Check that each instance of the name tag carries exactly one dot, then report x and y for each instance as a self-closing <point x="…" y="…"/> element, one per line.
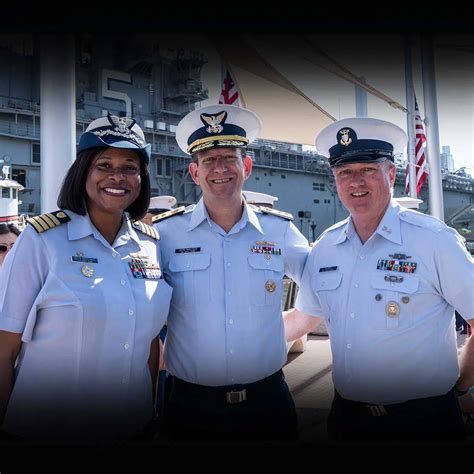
<point x="188" y="250"/>
<point x="328" y="269"/>
<point x="76" y="258"/>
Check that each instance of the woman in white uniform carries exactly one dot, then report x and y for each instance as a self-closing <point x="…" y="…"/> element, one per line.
<point x="82" y="300"/>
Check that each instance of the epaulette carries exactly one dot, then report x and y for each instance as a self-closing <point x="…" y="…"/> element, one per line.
<point x="276" y="212"/>
<point x="146" y="229"/>
<point x="422" y="220"/>
<point x="45" y="222"/>
<point x="165" y="215"/>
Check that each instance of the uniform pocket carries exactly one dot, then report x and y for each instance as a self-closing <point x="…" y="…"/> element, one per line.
<point x="392" y="296"/>
<point x="266" y="276"/>
<point x="191" y="277"/>
<point x="325" y="285"/>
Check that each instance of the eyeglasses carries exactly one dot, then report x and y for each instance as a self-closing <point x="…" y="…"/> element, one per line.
<point x="5" y="247"/>
<point x="127" y="170"/>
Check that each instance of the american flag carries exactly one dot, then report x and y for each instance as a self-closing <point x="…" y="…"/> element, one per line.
<point x="229" y="93"/>
<point x="421" y="166"/>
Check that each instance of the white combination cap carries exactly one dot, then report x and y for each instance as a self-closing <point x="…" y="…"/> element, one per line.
<point x="360" y="140"/>
<point x="217" y="126"/>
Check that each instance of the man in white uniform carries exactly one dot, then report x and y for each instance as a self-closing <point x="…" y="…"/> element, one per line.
<point x="225" y="260"/>
<point x="387" y="280"/>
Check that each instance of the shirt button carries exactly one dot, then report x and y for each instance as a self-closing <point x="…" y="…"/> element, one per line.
<point x="114" y="254"/>
<point x="231" y="321"/>
<point x="361" y="257"/>
<point x="356" y="285"/>
<point x="124" y="380"/>
<point x="352" y="315"/>
<point x="126" y="346"/>
<point x="130" y="312"/>
<point x="229" y="293"/>
<point x="228" y="264"/>
<point x="122" y="282"/>
<point x="231" y="351"/>
<point x="349" y="346"/>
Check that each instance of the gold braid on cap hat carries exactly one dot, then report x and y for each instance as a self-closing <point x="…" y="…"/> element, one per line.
<point x="224" y="140"/>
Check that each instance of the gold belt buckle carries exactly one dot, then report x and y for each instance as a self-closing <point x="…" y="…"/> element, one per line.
<point x="236" y="396"/>
<point x="377" y="410"/>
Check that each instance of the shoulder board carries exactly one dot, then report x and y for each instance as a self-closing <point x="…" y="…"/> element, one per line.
<point x="146" y="229"/>
<point x="422" y="220"/>
<point x="44" y="222"/>
<point x="164" y="215"/>
<point x="276" y="212"/>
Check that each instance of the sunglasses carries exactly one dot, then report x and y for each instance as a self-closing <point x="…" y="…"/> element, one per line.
<point x="5" y="247"/>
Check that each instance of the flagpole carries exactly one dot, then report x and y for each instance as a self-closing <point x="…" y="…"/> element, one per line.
<point x="223" y="69"/>
<point x="410" y="102"/>
<point x="432" y="127"/>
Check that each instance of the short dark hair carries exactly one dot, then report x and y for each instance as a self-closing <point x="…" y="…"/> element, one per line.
<point x="7" y="227"/>
<point x="73" y="190"/>
<point x="243" y="152"/>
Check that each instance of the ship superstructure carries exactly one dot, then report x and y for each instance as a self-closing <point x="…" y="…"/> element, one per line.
<point x="157" y="84"/>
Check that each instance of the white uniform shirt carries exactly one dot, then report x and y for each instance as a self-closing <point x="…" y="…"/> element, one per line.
<point x="82" y="370"/>
<point x="380" y="356"/>
<point x="225" y="324"/>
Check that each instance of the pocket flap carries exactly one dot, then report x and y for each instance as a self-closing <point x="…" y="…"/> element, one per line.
<point x="409" y="284"/>
<point x="326" y="281"/>
<point x="259" y="262"/>
<point x="189" y="262"/>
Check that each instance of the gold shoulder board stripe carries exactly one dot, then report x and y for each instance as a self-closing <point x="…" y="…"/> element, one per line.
<point x="48" y="221"/>
<point x="276" y="212"/>
<point x="36" y="225"/>
<point x="146" y="229"/>
<point x="165" y="215"/>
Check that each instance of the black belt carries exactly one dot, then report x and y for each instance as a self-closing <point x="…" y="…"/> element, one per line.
<point x="363" y="408"/>
<point x="228" y="393"/>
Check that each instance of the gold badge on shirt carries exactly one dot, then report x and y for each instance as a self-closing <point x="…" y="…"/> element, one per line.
<point x="87" y="271"/>
<point x="392" y="309"/>
<point x="270" y="286"/>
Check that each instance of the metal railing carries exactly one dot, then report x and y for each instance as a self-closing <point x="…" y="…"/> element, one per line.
<point x="20" y="129"/>
<point x="20" y="105"/>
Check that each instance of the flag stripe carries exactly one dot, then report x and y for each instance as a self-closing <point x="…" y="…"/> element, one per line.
<point x="229" y="92"/>
<point x="420" y="157"/>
